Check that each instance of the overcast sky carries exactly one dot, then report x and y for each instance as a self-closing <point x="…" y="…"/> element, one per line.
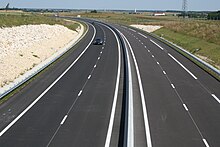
<point x="115" y="4"/>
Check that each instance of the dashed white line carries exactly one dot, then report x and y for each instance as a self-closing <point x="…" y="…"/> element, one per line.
<point x="183" y="66"/>
<point x="164" y="72"/>
<point x="95" y="66"/>
<point x="142" y="35"/>
<point x="145" y="46"/>
<point x="103" y="47"/>
<point x="48" y="88"/>
<point x="80" y="93"/>
<point x="64" y="119"/>
<point x="98" y="58"/>
<point x="184" y="105"/>
<point x="205" y="142"/>
<point x="148" y="51"/>
<point x="156" y="44"/>
<point x="101" y="52"/>
<point x="142" y="43"/>
<point x="173" y="86"/>
<point x="216" y="98"/>
<point x="153" y="56"/>
<point x="158" y="63"/>
<point x="89" y="76"/>
<point x="132" y="30"/>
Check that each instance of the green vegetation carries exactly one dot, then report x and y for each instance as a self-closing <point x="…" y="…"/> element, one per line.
<point x="200" y="37"/>
<point x="17" y="19"/>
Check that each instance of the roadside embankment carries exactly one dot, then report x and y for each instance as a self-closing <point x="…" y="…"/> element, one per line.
<point x="24" y="47"/>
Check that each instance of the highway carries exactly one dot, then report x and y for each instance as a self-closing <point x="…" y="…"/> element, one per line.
<point x="131" y="91"/>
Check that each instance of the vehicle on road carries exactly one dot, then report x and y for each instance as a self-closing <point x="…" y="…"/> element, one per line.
<point x="98" y="41"/>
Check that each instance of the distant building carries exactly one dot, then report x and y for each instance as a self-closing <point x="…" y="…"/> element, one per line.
<point x="159" y="14"/>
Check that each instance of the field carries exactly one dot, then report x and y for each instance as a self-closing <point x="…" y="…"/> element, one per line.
<point x="200" y="37"/>
<point x="18" y="18"/>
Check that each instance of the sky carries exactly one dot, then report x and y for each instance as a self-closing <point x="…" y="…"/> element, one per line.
<point x="193" y="5"/>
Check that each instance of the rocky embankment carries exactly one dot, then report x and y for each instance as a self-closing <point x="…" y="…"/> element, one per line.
<point x="24" y="47"/>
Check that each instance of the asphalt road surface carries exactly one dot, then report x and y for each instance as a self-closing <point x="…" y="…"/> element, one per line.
<point x="131" y="91"/>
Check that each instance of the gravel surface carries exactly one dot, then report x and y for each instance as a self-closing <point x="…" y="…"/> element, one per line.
<point x="24" y="47"/>
<point x="147" y="28"/>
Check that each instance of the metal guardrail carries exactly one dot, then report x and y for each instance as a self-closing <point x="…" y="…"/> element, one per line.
<point x="205" y="64"/>
<point x="37" y="69"/>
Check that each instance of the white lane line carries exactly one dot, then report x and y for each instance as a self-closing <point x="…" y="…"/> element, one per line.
<point x="142" y="43"/>
<point x="132" y="30"/>
<point x="103" y="47"/>
<point x="145" y="46"/>
<point x="130" y="110"/>
<point x="184" y="105"/>
<point x="111" y="122"/>
<point x="64" y="119"/>
<point x="80" y="93"/>
<point x="89" y="76"/>
<point x="205" y="142"/>
<point x="48" y="88"/>
<point x="95" y="66"/>
<point x="103" y="43"/>
<point x="153" y="56"/>
<point x="216" y="98"/>
<point x="101" y="52"/>
<point x="173" y="86"/>
<point x="164" y="72"/>
<point x="148" y="51"/>
<point x="183" y="66"/>
<point x="139" y="40"/>
<point x="156" y="44"/>
<point x="142" y="35"/>
<point x="158" y="63"/>
<point x="144" y="108"/>
<point x="98" y="58"/>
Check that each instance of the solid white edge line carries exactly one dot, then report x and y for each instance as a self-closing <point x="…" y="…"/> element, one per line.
<point x="111" y="122"/>
<point x="184" y="105"/>
<point x="156" y="44"/>
<point x="173" y="86"/>
<point x="64" y="119"/>
<point x="205" y="142"/>
<point x="183" y="66"/>
<point x="216" y="98"/>
<point x="45" y="91"/>
<point x="146" y="121"/>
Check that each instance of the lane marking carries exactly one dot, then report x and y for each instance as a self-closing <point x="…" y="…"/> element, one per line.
<point x="98" y="58"/>
<point x="142" y="35"/>
<point x="95" y="66"/>
<point x="173" y="86"/>
<point x="148" y="51"/>
<point x="216" y="98"/>
<point x="132" y="30"/>
<point x="80" y="93"/>
<point x="182" y="66"/>
<point x="158" y="63"/>
<point x="89" y="76"/>
<point x="145" y="46"/>
<point x="164" y="72"/>
<point x="205" y="142"/>
<point x="103" y="47"/>
<point x="130" y="108"/>
<point x="64" y="119"/>
<point x="184" y="105"/>
<point x="156" y="44"/>
<point x="144" y="108"/>
<point x="153" y="56"/>
<point x="112" y="116"/>
<point x="45" y="91"/>
<point x="142" y="43"/>
<point x="101" y="52"/>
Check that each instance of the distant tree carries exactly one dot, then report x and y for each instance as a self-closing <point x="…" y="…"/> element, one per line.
<point x="94" y="11"/>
